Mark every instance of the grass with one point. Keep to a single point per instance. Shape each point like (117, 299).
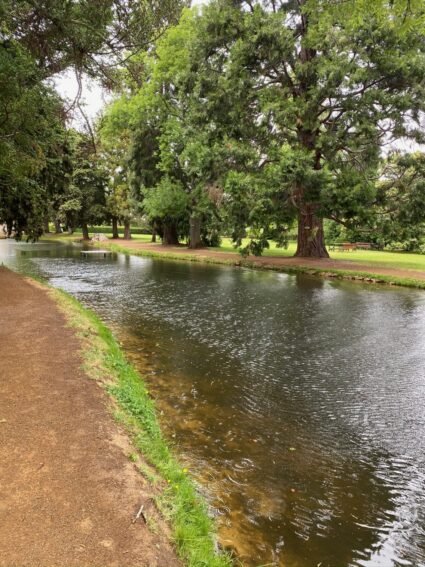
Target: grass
(193, 529)
(385, 259)
(65, 237)
(398, 260)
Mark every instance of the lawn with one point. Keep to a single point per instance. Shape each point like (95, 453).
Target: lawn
(401, 260)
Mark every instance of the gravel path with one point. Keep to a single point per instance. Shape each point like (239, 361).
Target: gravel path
(68, 491)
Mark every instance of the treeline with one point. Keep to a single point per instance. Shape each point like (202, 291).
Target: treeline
(250, 118)
(48, 171)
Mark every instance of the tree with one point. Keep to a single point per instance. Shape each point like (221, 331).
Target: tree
(114, 148)
(398, 213)
(38, 40)
(95, 38)
(31, 129)
(178, 155)
(325, 87)
(167, 203)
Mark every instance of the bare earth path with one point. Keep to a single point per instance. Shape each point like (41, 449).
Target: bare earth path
(275, 261)
(68, 492)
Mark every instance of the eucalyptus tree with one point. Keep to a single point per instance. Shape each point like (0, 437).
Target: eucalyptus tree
(310, 90)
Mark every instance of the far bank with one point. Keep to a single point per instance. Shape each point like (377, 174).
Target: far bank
(401, 269)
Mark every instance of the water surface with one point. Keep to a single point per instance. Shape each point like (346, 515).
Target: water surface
(298, 403)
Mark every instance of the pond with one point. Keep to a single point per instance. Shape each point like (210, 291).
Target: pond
(297, 403)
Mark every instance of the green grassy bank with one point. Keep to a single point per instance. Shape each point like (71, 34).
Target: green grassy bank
(358, 259)
(332, 273)
(193, 530)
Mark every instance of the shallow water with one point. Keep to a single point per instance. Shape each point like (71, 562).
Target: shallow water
(297, 403)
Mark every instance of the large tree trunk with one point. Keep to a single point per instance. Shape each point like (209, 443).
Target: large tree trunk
(154, 233)
(311, 241)
(127, 231)
(195, 232)
(170, 236)
(58, 228)
(115, 227)
(85, 230)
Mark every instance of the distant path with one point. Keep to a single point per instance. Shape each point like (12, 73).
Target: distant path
(68, 491)
(275, 261)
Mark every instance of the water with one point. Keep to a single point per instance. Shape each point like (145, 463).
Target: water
(297, 403)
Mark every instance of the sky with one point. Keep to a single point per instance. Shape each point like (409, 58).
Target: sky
(93, 97)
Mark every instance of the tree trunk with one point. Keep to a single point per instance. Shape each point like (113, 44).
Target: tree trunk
(195, 232)
(127, 231)
(171, 236)
(85, 230)
(153, 239)
(311, 241)
(46, 228)
(58, 228)
(115, 227)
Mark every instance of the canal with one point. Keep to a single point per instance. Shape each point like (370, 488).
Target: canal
(297, 403)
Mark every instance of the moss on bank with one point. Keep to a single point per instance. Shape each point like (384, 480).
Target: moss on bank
(193, 529)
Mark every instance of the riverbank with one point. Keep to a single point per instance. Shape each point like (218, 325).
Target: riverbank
(86, 477)
(328, 268)
(367, 266)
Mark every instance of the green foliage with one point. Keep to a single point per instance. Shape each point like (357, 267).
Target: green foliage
(83, 200)
(167, 201)
(169, 154)
(38, 40)
(311, 91)
(31, 129)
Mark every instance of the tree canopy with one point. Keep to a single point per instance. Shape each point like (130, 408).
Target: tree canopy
(249, 117)
(38, 40)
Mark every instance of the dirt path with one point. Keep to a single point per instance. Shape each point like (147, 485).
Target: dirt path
(283, 262)
(68, 491)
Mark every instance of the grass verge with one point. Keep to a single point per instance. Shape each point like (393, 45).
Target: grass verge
(193, 529)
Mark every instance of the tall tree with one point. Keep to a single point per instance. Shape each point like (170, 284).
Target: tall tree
(327, 84)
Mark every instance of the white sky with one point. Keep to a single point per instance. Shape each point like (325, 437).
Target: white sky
(93, 97)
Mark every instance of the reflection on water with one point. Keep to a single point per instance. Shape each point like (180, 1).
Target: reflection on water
(299, 403)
